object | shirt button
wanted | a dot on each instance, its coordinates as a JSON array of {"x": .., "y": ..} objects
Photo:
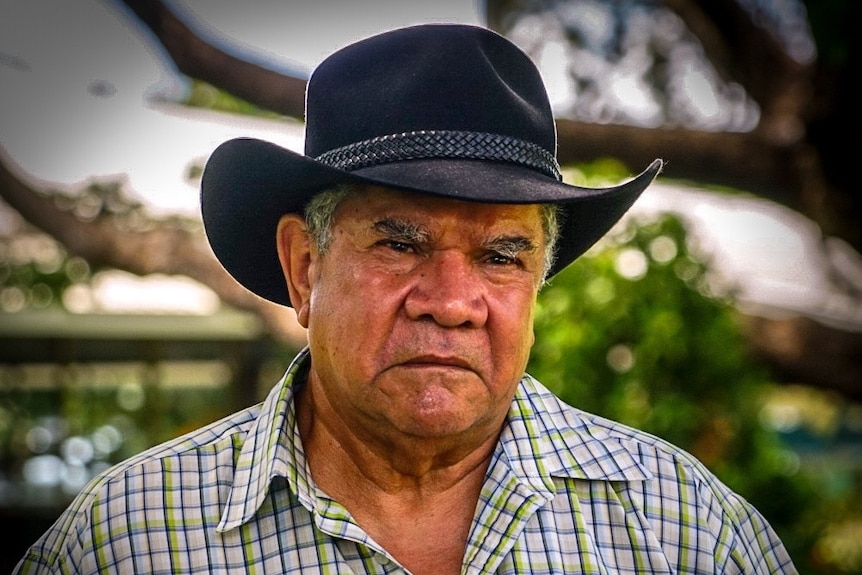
[{"x": 381, "y": 559}]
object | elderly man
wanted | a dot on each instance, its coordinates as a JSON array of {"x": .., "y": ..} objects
[{"x": 411, "y": 240}]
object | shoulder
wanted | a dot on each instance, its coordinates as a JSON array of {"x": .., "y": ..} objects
[
  {"x": 588, "y": 437},
  {"x": 201, "y": 460},
  {"x": 615, "y": 470},
  {"x": 198, "y": 456}
]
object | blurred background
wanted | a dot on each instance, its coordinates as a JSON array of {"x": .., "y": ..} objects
[{"x": 723, "y": 313}]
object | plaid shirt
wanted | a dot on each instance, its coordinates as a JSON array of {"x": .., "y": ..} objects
[{"x": 566, "y": 492}]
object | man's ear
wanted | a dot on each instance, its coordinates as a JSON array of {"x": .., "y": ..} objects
[{"x": 294, "y": 253}]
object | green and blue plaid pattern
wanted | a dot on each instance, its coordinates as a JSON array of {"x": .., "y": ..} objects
[{"x": 566, "y": 492}]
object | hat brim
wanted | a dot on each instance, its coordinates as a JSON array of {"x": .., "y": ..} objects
[{"x": 248, "y": 184}]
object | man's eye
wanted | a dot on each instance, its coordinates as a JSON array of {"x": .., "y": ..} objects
[
  {"x": 399, "y": 246},
  {"x": 502, "y": 259}
]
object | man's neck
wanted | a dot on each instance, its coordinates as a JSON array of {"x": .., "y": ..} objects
[
  {"x": 411, "y": 467},
  {"x": 416, "y": 499}
]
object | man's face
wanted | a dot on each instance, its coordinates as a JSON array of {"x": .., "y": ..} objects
[{"x": 420, "y": 312}]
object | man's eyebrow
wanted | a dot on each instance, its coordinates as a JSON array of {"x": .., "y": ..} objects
[
  {"x": 406, "y": 231},
  {"x": 402, "y": 230},
  {"x": 511, "y": 246}
]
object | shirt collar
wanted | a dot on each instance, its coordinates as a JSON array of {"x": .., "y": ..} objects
[
  {"x": 272, "y": 448},
  {"x": 543, "y": 439}
]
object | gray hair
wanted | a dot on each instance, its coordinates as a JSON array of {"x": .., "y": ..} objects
[{"x": 320, "y": 211}]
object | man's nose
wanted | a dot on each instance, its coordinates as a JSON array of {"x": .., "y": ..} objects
[{"x": 447, "y": 287}]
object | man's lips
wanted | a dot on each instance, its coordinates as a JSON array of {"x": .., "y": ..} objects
[{"x": 437, "y": 361}]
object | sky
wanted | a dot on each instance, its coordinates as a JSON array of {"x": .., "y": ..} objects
[
  {"x": 279, "y": 33},
  {"x": 80, "y": 82},
  {"x": 80, "y": 86}
]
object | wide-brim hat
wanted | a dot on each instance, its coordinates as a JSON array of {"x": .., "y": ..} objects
[{"x": 452, "y": 110}]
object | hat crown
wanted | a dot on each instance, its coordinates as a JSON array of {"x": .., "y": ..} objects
[{"x": 433, "y": 77}]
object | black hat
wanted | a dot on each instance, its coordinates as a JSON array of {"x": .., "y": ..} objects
[{"x": 451, "y": 110}]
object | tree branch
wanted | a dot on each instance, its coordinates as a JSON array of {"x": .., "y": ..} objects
[
  {"x": 163, "y": 249},
  {"x": 199, "y": 59}
]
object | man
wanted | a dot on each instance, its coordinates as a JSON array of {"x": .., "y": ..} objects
[{"x": 411, "y": 240}]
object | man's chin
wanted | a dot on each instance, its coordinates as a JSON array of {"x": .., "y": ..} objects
[{"x": 439, "y": 418}]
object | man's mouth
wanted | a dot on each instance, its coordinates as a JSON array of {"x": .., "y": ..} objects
[{"x": 431, "y": 360}]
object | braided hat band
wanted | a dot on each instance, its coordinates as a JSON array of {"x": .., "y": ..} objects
[{"x": 426, "y": 144}]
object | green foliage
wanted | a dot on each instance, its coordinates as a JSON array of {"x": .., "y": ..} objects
[
  {"x": 631, "y": 331},
  {"x": 37, "y": 271},
  {"x": 207, "y": 96},
  {"x": 833, "y": 27},
  {"x": 641, "y": 331}
]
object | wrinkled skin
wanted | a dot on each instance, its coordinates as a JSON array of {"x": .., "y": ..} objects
[{"x": 419, "y": 318}]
